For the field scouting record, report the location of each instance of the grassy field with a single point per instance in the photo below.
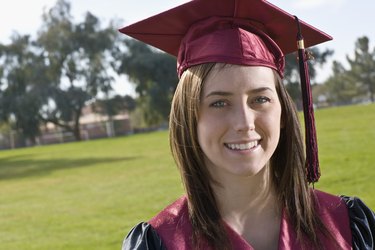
(346, 137)
(88, 195)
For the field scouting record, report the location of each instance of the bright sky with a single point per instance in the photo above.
(345, 20)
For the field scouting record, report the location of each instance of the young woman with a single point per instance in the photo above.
(235, 136)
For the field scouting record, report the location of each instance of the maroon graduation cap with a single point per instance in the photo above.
(244, 32)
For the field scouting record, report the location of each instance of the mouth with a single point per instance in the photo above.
(242, 146)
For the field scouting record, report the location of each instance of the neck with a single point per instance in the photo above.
(244, 199)
(249, 205)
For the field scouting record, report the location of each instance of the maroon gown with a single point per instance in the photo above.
(350, 222)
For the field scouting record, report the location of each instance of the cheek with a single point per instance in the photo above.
(209, 129)
(204, 129)
(272, 122)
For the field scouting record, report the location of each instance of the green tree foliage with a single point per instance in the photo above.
(155, 78)
(51, 79)
(340, 89)
(20, 84)
(362, 68)
(78, 57)
(356, 84)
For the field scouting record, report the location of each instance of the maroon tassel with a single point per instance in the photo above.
(312, 161)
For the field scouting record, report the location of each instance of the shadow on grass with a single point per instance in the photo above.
(23, 166)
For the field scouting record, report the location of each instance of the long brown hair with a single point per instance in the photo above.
(286, 164)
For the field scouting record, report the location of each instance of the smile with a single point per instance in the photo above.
(242, 146)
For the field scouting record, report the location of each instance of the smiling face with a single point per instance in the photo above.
(239, 120)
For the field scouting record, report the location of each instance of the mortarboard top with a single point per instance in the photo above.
(166, 30)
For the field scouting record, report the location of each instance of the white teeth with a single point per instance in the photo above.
(244, 146)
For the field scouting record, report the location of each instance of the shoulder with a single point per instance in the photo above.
(173, 225)
(167, 230)
(327, 199)
(332, 206)
(142, 237)
(348, 215)
(362, 223)
(173, 214)
(333, 212)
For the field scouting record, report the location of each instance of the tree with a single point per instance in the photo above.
(78, 56)
(291, 74)
(155, 77)
(340, 87)
(115, 105)
(20, 97)
(362, 67)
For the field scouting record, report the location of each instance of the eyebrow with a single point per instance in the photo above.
(225, 93)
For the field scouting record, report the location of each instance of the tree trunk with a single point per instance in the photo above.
(32, 140)
(77, 133)
(372, 97)
(76, 128)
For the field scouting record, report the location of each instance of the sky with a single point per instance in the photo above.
(344, 20)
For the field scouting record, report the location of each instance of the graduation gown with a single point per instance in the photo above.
(349, 220)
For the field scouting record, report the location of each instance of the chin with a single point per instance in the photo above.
(246, 171)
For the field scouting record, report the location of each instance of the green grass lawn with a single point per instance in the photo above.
(346, 138)
(88, 195)
(83, 195)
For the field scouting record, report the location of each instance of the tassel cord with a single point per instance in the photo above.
(312, 161)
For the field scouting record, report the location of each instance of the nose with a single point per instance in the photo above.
(243, 118)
